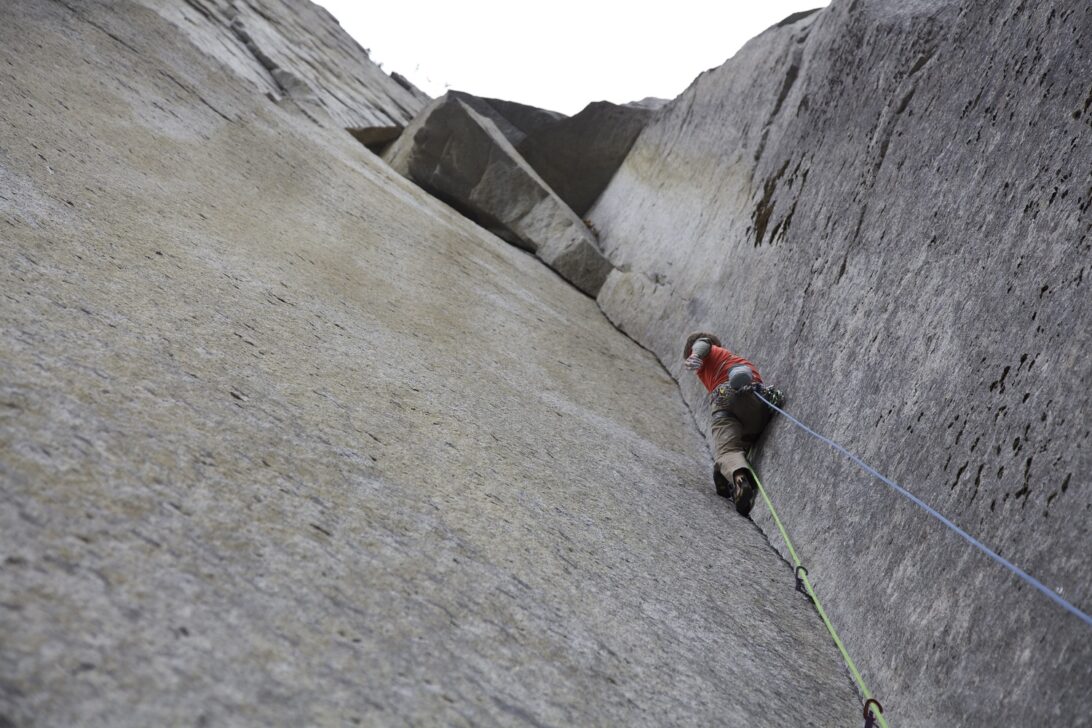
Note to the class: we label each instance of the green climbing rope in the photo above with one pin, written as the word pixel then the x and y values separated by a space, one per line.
pixel 815 600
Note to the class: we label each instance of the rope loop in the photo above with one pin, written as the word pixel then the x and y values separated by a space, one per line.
pixel 869 716
pixel 800 586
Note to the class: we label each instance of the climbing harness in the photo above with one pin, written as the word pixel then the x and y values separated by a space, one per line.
pixel 804 585
pixel 933 512
pixel 722 395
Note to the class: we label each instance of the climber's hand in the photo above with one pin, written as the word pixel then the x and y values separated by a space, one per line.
pixel 693 363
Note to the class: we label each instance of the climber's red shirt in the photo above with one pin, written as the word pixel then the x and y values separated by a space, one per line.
pixel 716 365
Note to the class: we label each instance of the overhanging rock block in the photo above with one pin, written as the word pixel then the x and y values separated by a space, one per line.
pixel 462 157
pixel 578 156
pixel 524 119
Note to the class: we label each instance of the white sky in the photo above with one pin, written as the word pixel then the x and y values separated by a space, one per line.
pixel 558 55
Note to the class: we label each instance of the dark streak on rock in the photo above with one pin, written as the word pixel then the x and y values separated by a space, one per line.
pixel 519 712
pixel 188 89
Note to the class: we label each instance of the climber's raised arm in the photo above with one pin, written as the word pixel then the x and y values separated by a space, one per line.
pixel 698 353
pixel 697 347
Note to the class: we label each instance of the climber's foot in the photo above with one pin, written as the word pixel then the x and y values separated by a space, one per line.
pixel 724 488
pixel 744 494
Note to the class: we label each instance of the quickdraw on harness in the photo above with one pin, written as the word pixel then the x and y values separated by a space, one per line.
pixel 738 380
pixel 723 394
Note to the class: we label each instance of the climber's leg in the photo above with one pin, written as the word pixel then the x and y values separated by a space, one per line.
pixel 752 414
pixel 734 433
pixel 730 444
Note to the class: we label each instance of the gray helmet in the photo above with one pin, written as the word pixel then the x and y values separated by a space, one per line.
pixel 740 376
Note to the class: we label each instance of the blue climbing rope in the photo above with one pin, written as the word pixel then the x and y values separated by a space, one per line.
pixel 933 512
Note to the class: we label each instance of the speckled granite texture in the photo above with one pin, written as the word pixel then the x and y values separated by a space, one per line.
pixel 885 205
pixel 285 441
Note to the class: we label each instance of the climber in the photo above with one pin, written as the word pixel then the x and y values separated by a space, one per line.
pixel 738 415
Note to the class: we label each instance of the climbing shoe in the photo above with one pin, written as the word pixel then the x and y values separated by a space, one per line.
pixel 724 488
pixel 744 494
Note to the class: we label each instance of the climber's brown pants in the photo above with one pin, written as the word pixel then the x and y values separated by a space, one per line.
pixel 736 433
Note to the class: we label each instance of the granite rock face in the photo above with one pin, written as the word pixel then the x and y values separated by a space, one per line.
pixel 578 156
pixel 455 151
pixel 297 51
pixel 886 206
pixel 523 119
pixel 285 441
